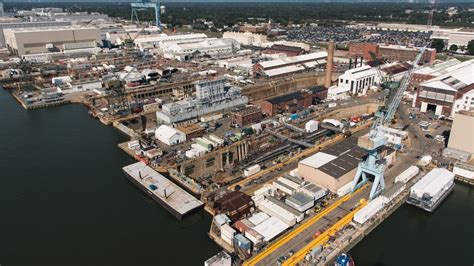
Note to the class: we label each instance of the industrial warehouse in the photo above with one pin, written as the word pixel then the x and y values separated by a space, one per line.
pixel 295 149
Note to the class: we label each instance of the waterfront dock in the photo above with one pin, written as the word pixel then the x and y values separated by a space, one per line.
pixel 169 195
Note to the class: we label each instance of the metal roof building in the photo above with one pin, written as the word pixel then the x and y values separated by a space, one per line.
pixel 35 24
pixel 334 166
pixel 292 64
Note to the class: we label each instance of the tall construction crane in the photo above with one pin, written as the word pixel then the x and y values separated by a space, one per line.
pixel 374 165
pixel 117 99
pixel 24 71
pixel 129 42
pixel 143 5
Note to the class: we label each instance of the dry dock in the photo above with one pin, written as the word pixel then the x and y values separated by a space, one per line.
pixel 173 198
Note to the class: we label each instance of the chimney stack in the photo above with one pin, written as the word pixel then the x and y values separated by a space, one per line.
pixel 329 63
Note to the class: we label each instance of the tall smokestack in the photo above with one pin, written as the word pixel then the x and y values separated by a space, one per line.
pixel 328 78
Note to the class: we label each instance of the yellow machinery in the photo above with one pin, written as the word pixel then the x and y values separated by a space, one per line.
pixel 273 247
pixel 324 237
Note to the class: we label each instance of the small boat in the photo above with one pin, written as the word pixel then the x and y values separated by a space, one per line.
pixel 344 260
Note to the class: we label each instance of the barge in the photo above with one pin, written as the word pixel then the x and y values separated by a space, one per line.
pixel 432 189
pixel 169 195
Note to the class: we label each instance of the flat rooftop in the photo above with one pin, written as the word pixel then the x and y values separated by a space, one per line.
pixel 170 194
pixel 33 29
pixel 338 159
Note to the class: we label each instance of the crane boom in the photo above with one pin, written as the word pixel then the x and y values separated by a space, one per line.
pixel 393 105
pixel 373 165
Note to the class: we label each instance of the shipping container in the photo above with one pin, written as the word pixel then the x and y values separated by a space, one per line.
pixel 254 236
pixel 242 242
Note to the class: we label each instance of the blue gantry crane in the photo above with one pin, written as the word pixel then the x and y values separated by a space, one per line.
pixel 374 165
pixel 144 4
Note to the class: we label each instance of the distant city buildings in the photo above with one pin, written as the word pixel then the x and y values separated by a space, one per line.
pixel 246 38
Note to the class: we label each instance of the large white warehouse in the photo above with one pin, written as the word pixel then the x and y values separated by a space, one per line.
pixel 212 47
pixel 44 40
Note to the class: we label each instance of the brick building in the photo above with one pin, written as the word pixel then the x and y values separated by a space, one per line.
pixel 284 49
pixel 390 52
pixel 428 72
pixel 364 50
pixel 448 93
pixel 293 101
pixel 318 93
pixel 403 54
pixel 247 116
pixel 235 204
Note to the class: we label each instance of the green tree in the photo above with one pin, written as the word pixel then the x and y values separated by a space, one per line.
pixel 470 47
pixel 438 44
pixel 453 48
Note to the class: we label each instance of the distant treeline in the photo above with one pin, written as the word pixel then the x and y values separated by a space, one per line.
pixel 221 14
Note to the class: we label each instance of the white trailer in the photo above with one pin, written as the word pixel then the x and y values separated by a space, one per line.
pixel 344 190
pixel 367 212
pixel 408 174
pixel 251 170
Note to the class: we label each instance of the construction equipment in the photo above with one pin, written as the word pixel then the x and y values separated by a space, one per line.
pixel 143 5
pixel 117 100
pixel 372 142
pixel 128 43
pixel 386 80
pixel 24 69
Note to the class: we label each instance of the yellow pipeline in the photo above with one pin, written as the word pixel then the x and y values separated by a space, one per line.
pixel 324 237
pixel 298 230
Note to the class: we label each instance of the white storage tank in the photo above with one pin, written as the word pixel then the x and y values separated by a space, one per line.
pixel 408 174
